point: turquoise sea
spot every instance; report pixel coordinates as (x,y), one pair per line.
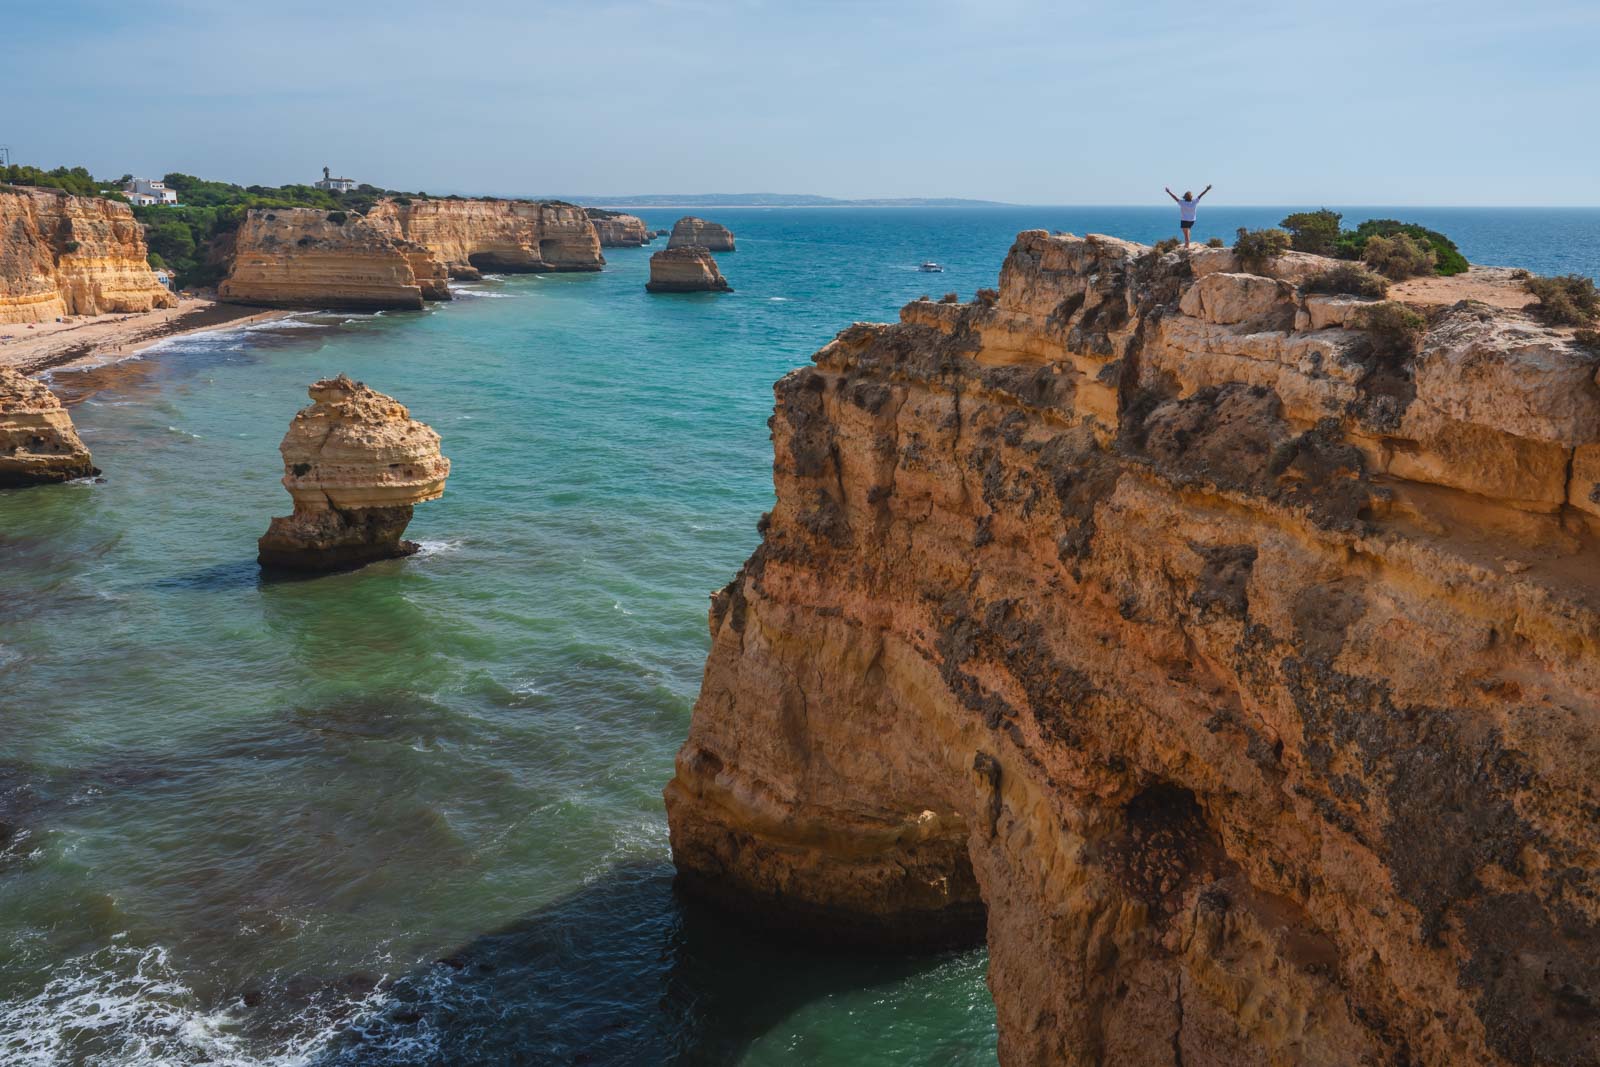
(412,814)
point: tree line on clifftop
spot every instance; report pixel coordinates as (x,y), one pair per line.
(181,236)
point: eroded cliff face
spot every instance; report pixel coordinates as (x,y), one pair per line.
(356,463)
(310,258)
(504,236)
(685,270)
(38,443)
(690,231)
(617,230)
(1242,668)
(72,255)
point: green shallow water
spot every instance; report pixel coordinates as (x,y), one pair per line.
(412,814)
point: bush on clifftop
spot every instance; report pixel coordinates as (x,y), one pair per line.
(1399,257)
(1313,231)
(1448,259)
(1348,279)
(1255,247)
(1395,330)
(1566,300)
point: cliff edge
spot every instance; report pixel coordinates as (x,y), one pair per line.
(72,255)
(1228,658)
(506,236)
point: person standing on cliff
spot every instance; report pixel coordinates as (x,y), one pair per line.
(1187,206)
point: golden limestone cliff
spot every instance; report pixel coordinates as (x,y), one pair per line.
(72,255)
(355,462)
(310,258)
(688,269)
(617,230)
(690,231)
(38,443)
(1233,666)
(505,236)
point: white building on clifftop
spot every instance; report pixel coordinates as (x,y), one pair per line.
(335,185)
(142,192)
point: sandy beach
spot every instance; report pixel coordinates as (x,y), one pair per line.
(87,340)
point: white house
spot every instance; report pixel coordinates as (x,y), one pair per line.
(335,185)
(142,192)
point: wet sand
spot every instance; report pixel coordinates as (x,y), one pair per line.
(86,340)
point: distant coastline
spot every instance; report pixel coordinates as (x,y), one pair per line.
(726,200)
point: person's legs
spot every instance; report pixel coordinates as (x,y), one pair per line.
(1186,227)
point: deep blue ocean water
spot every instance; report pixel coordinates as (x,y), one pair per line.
(412,814)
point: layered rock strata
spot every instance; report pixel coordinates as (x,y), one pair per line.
(685,270)
(38,444)
(355,463)
(310,258)
(689,231)
(72,255)
(617,230)
(1240,663)
(504,236)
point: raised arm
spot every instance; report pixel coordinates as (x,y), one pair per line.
(1172,194)
(1203,192)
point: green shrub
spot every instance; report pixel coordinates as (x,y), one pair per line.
(1448,259)
(1399,257)
(1589,339)
(1396,331)
(1256,247)
(950,298)
(1313,231)
(1165,245)
(1348,279)
(1216,242)
(1521,275)
(988,297)
(155,260)
(1566,300)
(337,217)
(71,246)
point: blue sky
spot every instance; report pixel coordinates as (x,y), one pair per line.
(1392,102)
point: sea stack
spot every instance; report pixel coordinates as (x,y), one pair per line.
(618,230)
(689,231)
(685,270)
(1226,652)
(355,462)
(38,444)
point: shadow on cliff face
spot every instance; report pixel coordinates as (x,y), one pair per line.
(622,972)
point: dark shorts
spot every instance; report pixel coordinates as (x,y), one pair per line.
(1187,223)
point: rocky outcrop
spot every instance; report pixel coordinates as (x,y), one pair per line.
(502,236)
(310,258)
(617,230)
(72,255)
(355,463)
(1235,666)
(685,270)
(38,444)
(690,231)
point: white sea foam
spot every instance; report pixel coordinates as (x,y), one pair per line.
(438,548)
(182,433)
(134,1009)
(778,299)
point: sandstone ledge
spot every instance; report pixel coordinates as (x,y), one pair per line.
(1245,672)
(685,270)
(38,444)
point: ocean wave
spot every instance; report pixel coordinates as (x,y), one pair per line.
(438,548)
(122,1006)
(778,299)
(485,294)
(183,433)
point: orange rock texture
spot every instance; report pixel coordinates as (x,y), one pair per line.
(690,231)
(685,270)
(72,255)
(310,258)
(38,443)
(503,236)
(617,230)
(355,462)
(1232,666)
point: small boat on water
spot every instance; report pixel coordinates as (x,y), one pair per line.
(930,267)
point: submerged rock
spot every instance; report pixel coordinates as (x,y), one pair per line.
(38,444)
(355,463)
(685,270)
(689,231)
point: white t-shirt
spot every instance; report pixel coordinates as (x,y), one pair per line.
(1186,209)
